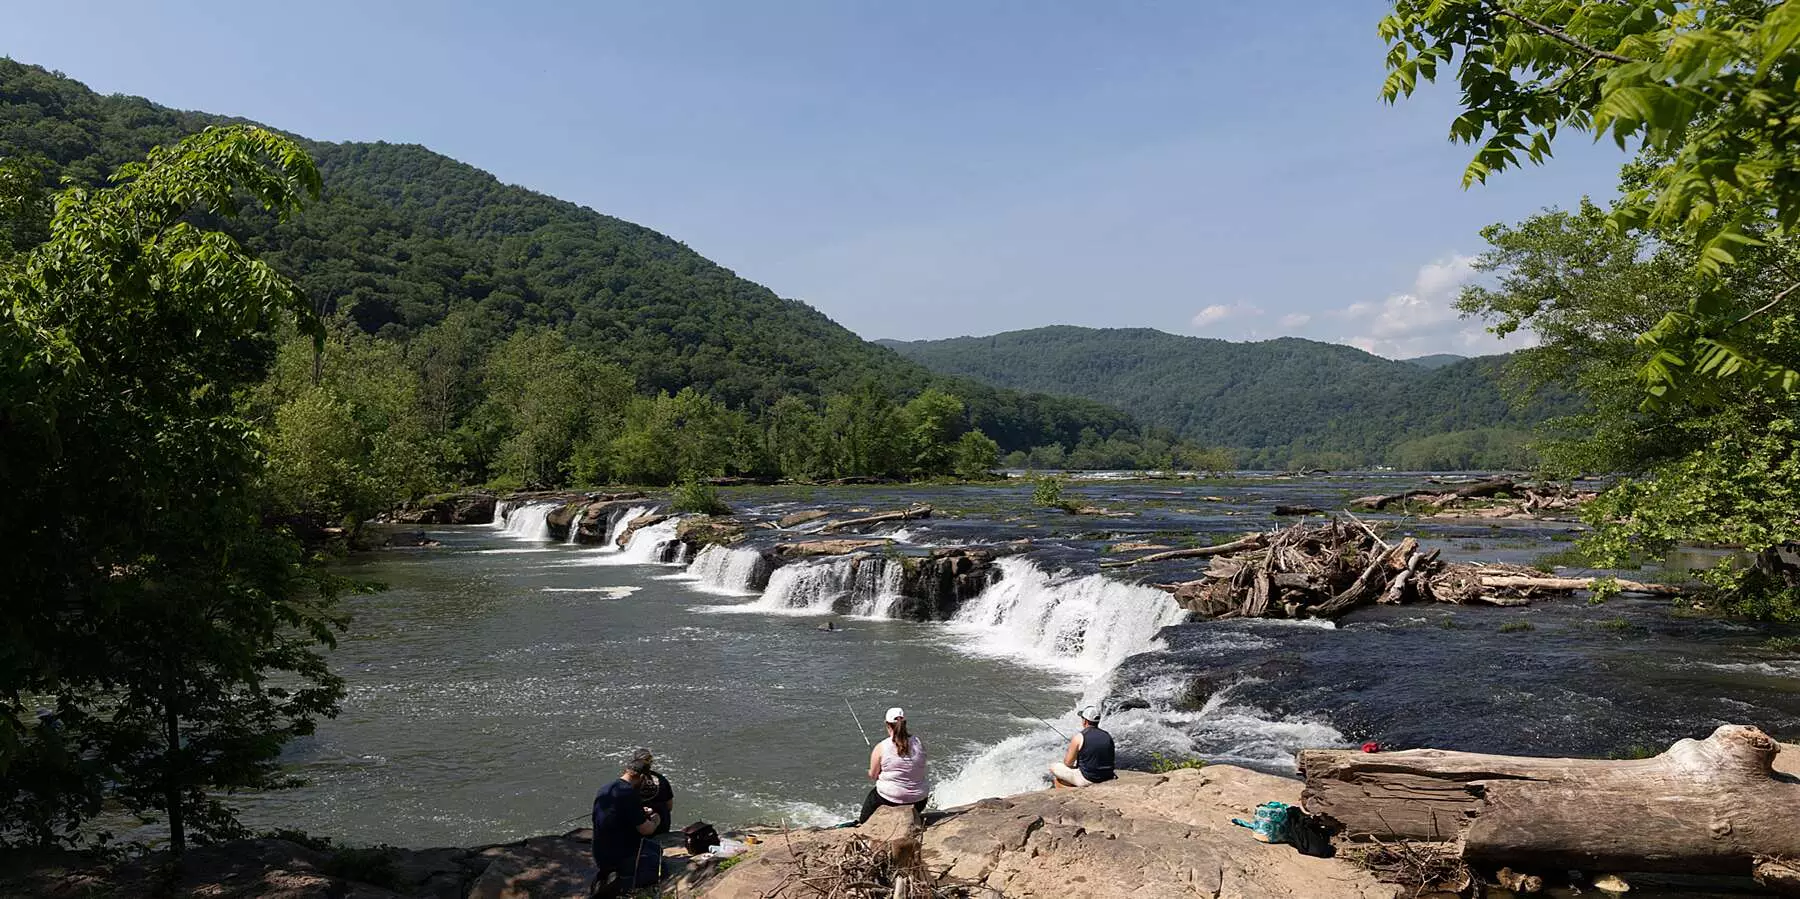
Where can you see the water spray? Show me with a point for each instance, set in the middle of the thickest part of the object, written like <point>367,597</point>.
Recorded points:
<point>858,720</point>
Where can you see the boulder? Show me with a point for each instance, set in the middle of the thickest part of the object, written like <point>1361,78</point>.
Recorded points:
<point>787,552</point>
<point>598,517</point>
<point>937,585</point>
<point>701,531</point>
<point>1144,835</point>
<point>537,868</point>
<point>448,508</point>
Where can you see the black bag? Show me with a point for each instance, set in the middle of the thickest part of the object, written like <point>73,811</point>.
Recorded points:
<point>700,837</point>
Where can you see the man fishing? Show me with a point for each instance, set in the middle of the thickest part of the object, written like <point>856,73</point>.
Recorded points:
<point>654,790</point>
<point>1089,759</point>
<point>621,822</point>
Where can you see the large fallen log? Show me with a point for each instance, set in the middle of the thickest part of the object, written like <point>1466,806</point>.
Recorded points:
<point>1249,541</point>
<point>1507,580</point>
<point>1713,806</point>
<point>1475,490</point>
<point>899,515</point>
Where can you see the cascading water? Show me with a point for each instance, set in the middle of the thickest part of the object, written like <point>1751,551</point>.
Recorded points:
<point>853,585</point>
<point>735,572</point>
<point>499,522</point>
<point>1084,624</point>
<point>649,545</point>
<point>618,527</point>
<point>527,521</point>
<point>575,526</point>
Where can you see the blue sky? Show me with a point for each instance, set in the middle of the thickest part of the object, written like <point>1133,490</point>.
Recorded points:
<point>913,169</point>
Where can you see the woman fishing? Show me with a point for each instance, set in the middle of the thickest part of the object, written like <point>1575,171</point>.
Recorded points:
<point>897,766</point>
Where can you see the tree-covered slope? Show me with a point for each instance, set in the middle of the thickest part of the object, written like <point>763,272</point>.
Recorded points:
<point>403,236</point>
<point>1284,401</point>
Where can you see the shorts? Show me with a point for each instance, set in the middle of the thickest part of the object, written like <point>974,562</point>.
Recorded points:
<point>1068,775</point>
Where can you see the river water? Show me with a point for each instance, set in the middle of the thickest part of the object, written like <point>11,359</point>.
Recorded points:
<point>503,676</point>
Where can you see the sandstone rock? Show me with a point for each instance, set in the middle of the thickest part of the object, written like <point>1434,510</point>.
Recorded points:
<point>787,552</point>
<point>799,518</point>
<point>1143,835</point>
<point>537,868</point>
<point>706,530</point>
<point>449,508</point>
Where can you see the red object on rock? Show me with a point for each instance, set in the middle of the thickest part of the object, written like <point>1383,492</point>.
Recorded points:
<point>1371,746</point>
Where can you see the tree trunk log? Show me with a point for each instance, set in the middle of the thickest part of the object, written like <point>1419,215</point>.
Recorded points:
<point>1712,806</point>
<point>1466,491</point>
<point>901,515</point>
<point>1498,581</point>
<point>1253,541</point>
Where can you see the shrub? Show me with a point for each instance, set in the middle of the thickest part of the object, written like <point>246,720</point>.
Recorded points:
<point>1163,764</point>
<point>1513,627</point>
<point>699,498</point>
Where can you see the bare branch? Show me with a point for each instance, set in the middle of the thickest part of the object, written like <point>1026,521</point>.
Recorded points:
<point>1770,304</point>
<point>1558,34</point>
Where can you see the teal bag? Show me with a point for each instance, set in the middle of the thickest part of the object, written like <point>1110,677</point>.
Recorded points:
<point>1270,824</point>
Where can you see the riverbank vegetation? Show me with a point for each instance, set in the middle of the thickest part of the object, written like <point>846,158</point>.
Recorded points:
<point>1673,309</point>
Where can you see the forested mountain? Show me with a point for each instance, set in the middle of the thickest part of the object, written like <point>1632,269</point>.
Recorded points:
<point>1435,360</point>
<point>1279,402</point>
<point>403,237</point>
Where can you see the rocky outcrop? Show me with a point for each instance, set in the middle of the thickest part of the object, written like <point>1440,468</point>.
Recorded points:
<point>788,552</point>
<point>594,515</point>
<point>937,585</point>
<point>1144,835</point>
<point>638,524</point>
<point>449,508</point>
<point>701,531</point>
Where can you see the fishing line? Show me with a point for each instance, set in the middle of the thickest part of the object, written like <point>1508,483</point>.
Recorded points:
<point>1028,711</point>
<point>858,720</point>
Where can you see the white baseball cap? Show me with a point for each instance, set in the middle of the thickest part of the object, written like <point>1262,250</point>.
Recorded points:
<point>895,714</point>
<point>1089,713</point>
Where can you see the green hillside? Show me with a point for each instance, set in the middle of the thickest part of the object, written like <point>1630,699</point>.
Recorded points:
<point>403,236</point>
<point>1284,402</point>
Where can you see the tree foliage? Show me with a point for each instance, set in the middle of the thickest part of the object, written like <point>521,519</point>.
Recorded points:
<point>1709,90</point>
<point>169,629</point>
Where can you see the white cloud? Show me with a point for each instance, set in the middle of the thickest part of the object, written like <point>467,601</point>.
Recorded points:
<point>1424,320</point>
<point>1219,312</point>
<point>1295,320</point>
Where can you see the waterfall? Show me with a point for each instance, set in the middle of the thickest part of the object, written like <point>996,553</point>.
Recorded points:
<point>575,525</point>
<point>526,522</point>
<point>617,527</point>
<point>500,507</point>
<point>732,571</point>
<point>857,584</point>
<point>650,545</point>
<point>1087,623</point>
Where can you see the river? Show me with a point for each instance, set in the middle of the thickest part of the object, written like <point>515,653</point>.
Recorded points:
<point>504,675</point>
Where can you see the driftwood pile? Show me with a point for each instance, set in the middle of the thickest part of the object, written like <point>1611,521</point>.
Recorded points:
<point>1327,570</point>
<point>1492,498</point>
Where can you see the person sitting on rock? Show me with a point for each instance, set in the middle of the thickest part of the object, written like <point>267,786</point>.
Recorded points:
<point>897,766</point>
<point>654,792</point>
<point>621,822</point>
<point>1089,759</point>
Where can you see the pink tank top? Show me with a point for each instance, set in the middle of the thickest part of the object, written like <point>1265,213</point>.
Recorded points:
<point>902,777</point>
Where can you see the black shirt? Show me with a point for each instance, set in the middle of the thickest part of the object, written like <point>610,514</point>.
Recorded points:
<point>617,814</point>
<point>1095,758</point>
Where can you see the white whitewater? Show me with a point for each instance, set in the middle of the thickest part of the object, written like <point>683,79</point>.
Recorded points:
<point>575,526</point>
<point>1084,624</point>
<point>867,586</point>
<point>648,544</point>
<point>723,569</point>
<point>500,507</point>
<point>527,521</point>
<point>618,527</point>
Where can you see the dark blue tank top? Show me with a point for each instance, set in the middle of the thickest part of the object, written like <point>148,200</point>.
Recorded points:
<point>1095,758</point>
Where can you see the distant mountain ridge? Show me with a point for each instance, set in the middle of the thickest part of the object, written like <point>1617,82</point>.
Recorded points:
<point>1281,402</point>
<point>1435,360</point>
<point>404,236</point>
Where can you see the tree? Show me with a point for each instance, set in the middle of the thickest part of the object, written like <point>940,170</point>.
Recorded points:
<point>975,455</point>
<point>1725,471</point>
<point>933,420</point>
<point>1706,88</point>
<point>550,399</point>
<point>173,630</point>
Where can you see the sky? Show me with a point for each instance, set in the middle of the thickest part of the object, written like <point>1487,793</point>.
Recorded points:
<point>929,168</point>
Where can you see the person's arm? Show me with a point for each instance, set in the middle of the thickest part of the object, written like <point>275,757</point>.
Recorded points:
<point>1074,747</point>
<point>875,762</point>
<point>648,825</point>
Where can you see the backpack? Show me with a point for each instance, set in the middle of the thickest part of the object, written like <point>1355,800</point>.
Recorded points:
<point>700,837</point>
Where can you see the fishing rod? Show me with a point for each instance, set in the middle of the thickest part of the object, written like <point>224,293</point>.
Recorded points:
<point>1027,709</point>
<point>858,720</point>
